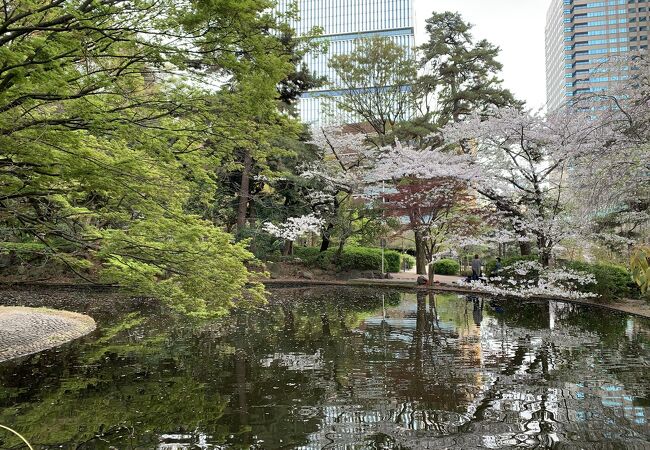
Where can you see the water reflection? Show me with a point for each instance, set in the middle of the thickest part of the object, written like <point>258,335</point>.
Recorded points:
<point>343,368</point>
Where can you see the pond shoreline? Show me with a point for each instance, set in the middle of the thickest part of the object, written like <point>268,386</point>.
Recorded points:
<point>638,307</point>
<point>628,306</point>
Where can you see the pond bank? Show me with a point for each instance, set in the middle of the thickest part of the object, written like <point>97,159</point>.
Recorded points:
<point>100,300</point>
<point>629,306</point>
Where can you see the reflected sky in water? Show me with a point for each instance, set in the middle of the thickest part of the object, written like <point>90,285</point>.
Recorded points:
<point>341,368</point>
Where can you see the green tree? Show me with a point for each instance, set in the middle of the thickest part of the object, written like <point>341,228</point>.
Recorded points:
<point>461,74</point>
<point>376,81</point>
<point>457,77</point>
<point>111,127</point>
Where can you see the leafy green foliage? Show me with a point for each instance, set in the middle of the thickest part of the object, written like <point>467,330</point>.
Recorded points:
<point>446,267</point>
<point>612,281</point>
<point>376,80</point>
<point>641,268</point>
<point>306,253</point>
<point>408,261</point>
<point>110,144</point>
<point>190,263</point>
<point>352,258</point>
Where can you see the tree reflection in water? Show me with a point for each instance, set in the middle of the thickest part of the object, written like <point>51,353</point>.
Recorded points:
<point>342,368</point>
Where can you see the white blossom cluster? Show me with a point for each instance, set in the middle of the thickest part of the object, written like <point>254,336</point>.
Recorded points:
<point>399,161</point>
<point>294,227</point>
<point>499,236</point>
<point>532,279</point>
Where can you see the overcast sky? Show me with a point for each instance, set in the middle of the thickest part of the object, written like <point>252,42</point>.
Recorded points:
<point>516,26</point>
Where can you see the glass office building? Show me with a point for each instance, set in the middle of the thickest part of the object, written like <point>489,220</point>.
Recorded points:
<point>343,22</point>
<point>581,36</point>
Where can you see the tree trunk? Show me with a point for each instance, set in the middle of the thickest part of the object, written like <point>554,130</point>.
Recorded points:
<point>325,244</point>
<point>545,258</point>
<point>287,250</point>
<point>544,252</point>
<point>244,190</point>
<point>432,274</point>
<point>525,248</point>
<point>420,253</point>
<point>339,252</point>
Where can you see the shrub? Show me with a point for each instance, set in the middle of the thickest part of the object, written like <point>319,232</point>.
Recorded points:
<point>408,261</point>
<point>365,258</point>
<point>307,254</point>
<point>446,267</point>
<point>352,258</point>
<point>264,246</point>
<point>312,256</point>
<point>612,281</point>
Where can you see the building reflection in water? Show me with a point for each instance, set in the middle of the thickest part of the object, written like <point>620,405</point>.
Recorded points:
<point>443,370</point>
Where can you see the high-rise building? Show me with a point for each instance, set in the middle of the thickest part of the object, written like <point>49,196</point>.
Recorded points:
<point>581,36</point>
<point>343,22</point>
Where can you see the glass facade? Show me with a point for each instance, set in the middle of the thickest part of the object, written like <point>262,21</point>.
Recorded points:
<point>343,22</point>
<point>574,55</point>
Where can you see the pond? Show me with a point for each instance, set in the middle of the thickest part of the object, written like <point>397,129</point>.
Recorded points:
<point>341,368</point>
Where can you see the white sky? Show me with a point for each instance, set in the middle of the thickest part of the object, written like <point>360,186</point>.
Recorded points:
<point>515,26</point>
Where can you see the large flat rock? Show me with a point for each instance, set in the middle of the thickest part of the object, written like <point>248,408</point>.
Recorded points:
<point>24,331</point>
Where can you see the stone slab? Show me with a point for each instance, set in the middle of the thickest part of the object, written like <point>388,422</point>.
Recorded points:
<point>24,331</point>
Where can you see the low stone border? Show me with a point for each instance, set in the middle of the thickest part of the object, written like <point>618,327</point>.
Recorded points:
<point>24,331</point>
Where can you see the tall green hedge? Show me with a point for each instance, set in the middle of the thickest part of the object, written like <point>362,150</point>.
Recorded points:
<point>306,253</point>
<point>408,261</point>
<point>352,258</point>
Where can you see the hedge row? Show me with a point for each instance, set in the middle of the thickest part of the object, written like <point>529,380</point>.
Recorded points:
<point>352,258</point>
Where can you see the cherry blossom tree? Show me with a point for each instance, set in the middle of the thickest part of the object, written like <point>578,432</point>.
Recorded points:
<point>613,181</point>
<point>340,195</point>
<point>428,187</point>
<point>294,228</point>
<point>530,278</point>
<point>524,160</point>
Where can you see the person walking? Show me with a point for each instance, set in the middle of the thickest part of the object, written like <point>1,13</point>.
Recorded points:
<point>477,265</point>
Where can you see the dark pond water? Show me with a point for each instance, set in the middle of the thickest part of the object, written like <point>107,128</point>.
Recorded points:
<point>341,369</point>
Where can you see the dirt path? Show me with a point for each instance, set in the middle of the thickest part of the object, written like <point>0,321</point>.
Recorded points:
<point>24,331</point>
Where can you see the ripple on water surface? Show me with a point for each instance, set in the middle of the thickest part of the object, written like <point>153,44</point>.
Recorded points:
<point>346,369</point>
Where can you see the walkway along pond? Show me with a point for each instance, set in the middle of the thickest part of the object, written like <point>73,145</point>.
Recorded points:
<point>339,367</point>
